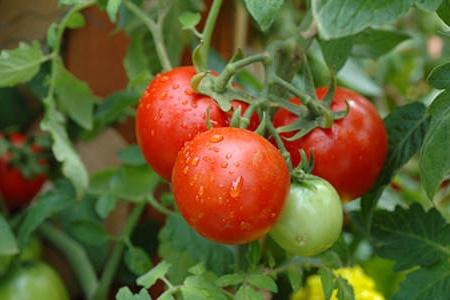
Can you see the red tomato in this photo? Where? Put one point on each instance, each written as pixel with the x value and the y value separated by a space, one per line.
pixel 230 185
pixel 350 155
pixel 170 114
pixel 15 189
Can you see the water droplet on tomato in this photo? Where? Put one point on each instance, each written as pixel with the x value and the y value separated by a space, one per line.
pixel 184 102
pixel 186 170
pixel 194 104
pixel 201 190
pixel 224 164
pixel 164 95
pixel 236 186
pixel 164 78
pixel 194 161
pixel 236 164
pixel 215 138
pixel 152 132
pixel 175 86
pixel 228 156
pixel 273 215
pixel 188 92
pixel 244 226
pixel 147 106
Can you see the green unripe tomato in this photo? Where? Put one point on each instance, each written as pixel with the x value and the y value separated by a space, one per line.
pixel 32 281
pixel 311 220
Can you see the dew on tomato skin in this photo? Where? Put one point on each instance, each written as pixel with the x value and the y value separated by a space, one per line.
pixel 164 78
pixel 194 161
pixel 152 132
pixel 184 102
pixel 231 172
pixel 273 215
pixel 215 138
pixel 194 104
pixel 244 226
pixel 236 164
pixel 221 185
pixel 228 156
pixel 201 190
pixel 236 186
pixel 186 170
pixel 164 95
pixel 148 106
pixel 224 165
pixel 175 86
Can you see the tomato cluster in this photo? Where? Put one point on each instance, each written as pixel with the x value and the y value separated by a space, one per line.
pixel 233 186
pixel 16 189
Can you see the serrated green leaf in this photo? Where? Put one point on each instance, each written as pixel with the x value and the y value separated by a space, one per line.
pixel 396 233
pixel 149 279
pixel 201 288
pixel 264 12
pixel 440 77
pixel 46 205
pixel 198 269
pixel 373 43
pixel 230 280
pixel 189 19
pixel 246 292
pixel 295 277
pixel 90 232
pixel 426 283
pixel 253 253
pixel 339 18
pixel 435 154
pixel 132 156
pixel 336 51
pixel 444 11
pixel 75 97
pixel 167 295
pixel 76 20
pixel 136 62
pixel 51 35
pixel 262 282
pixel 328 282
pixel 105 204
pixel 125 294
pixel 137 261
pixel 20 64
pixel 406 128
pixel 113 107
pixel 8 244
pixel 72 166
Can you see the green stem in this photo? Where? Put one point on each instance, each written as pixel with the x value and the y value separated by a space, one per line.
pixel 76 256
pixel 155 29
pixel 233 67
pixel 156 205
pixel 209 29
pixel 280 144
pixel 116 255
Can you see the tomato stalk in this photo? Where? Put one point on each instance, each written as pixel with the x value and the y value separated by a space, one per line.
pixel 280 144
pixel 155 29
pixel 75 254
pixel 113 262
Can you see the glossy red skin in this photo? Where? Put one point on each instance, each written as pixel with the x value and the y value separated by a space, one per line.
pixel 230 185
pixel 351 154
pixel 16 190
pixel 169 115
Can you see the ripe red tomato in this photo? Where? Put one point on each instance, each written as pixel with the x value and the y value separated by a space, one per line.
pixel 350 155
pixel 15 189
pixel 230 185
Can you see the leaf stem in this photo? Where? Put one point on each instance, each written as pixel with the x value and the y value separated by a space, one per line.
pixel 158 206
pixel 155 29
pixel 113 262
pixel 280 144
pixel 76 256
pixel 209 29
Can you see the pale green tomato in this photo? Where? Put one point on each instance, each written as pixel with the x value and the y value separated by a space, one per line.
pixel 311 220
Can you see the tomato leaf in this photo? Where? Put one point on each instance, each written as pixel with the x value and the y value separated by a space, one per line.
pixel 8 244
pixel 20 64
pixel 132 156
pixel 189 19
pixel 183 247
pixel 439 77
pixel 201 287
pixel 295 277
pixel 137 261
pixel 76 20
pixel 435 154
pixel 246 292
pixel 111 8
pixel 328 281
pixel 264 12
pixel 444 11
pixel 75 97
pixel 90 232
pixel 230 279
pixel 46 205
pixel 105 204
pixel 149 279
pixel 396 233
pixel 262 282
pixel 72 166
pixel 426 283
pixel 406 128
pixel 125 294
pixel 336 51
pixel 345 290
pixel 339 18
pixel 137 63
pixel 373 43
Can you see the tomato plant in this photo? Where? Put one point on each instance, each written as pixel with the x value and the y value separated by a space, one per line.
pixel 350 154
pixel 210 149
pixel 297 231
pixel 221 189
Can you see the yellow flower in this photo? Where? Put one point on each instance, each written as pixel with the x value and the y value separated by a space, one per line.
pixel 363 286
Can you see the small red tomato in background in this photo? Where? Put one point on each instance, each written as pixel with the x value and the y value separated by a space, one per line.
pixel 15 188
pixel 170 113
pixel 230 185
pixel 350 155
